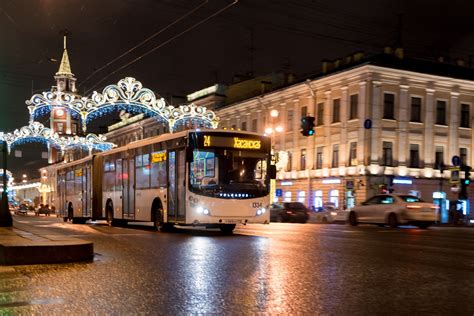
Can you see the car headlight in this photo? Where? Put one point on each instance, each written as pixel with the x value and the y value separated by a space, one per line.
pixel 333 213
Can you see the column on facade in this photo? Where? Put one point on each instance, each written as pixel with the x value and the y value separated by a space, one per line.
pixel 237 120
pixel 283 119
pixel 403 126
pixel 259 120
pixel 296 134
pixel 361 114
pixel 327 152
pixel 453 141
pixel 429 127
pixel 376 131
pixel 343 154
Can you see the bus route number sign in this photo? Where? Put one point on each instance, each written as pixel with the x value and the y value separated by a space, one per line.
pixel 232 142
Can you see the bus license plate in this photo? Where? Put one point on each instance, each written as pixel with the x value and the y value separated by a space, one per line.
pixel 232 221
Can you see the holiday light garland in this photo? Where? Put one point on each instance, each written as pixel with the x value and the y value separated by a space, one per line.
pixel 128 95
pixel 37 132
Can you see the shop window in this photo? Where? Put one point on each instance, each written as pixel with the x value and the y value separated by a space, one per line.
pixel 287 196
pixel 318 199
pixel 301 196
pixel 334 197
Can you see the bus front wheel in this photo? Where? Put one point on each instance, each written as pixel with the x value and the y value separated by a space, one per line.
pixel 227 228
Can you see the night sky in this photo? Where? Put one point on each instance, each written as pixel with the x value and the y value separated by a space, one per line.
pixel 259 36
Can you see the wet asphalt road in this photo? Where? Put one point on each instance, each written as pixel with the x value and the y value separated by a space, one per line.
pixel 269 269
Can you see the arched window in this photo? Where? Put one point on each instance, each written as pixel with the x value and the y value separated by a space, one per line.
pixel 334 197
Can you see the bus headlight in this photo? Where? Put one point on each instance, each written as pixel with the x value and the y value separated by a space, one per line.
pixel 261 211
pixel 202 210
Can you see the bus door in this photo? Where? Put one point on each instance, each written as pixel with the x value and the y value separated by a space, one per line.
pixel 128 188
pixel 177 185
pixel 85 191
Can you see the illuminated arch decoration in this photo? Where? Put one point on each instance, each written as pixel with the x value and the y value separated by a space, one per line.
pixel 37 132
pixel 128 95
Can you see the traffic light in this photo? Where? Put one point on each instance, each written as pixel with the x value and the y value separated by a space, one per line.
pixel 307 126
pixel 467 175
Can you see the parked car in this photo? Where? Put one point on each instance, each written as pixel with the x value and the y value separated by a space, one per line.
pixel 294 212
pixel 329 214
pixel 43 209
pixel 393 210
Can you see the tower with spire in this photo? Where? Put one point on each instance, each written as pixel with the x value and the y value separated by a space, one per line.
pixel 61 120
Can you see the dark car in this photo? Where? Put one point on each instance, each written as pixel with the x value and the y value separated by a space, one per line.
pixel 293 212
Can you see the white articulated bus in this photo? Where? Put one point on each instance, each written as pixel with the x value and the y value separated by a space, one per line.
pixel 211 178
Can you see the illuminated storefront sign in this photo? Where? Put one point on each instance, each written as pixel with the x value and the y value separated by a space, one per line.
pixel 158 156
pixel 331 181
pixel 402 181
pixel 286 183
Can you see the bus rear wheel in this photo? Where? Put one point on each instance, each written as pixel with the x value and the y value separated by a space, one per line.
pixel 158 219
pixel 227 229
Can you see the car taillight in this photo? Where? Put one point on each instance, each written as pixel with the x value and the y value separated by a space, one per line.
pixel 434 207
pixel 413 206
pixel 289 212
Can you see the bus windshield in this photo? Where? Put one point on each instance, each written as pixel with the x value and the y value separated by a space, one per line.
pixel 229 173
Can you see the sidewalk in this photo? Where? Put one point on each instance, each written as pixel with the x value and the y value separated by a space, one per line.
pixel 28 244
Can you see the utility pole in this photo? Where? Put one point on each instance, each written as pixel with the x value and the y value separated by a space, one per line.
pixel 5 216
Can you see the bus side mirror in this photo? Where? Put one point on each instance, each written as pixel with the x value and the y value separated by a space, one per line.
pixel 272 172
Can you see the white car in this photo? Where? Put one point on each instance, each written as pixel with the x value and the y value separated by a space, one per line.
pixel 393 210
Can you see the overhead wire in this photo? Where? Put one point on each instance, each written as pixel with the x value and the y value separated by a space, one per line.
pixel 144 41
pixel 163 44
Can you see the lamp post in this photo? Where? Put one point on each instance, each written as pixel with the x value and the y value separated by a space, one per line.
pixel 271 131
pixel 5 215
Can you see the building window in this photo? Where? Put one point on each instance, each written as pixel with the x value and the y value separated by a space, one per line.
pixel 301 196
pixel 254 125
pixel 353 154
pixel 465 116
pixel 318 199
pixel 441 112
pixel 234 127
pixel 288 196
pixel 303 159
pixel 387 154
pixel 388 106
pixel 320 117
pixel 439 155
pixel 354 106
pixel 290 120
pixel 414 156
pixel 415 109
pixel 244 126
pixel 60 127
pixel 463 156
pixel 319 158
pixel 336 110
pixel 334 197
pixel 289 164
pixel 304 111
pixel 335 156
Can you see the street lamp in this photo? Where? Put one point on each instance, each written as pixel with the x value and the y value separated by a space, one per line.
pixel 5 216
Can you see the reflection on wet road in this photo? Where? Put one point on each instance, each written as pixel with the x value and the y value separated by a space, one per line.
pixel 274 269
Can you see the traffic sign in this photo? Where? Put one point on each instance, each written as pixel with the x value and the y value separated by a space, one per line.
pixel 279 192
pixel 454 175
pixel 456 160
